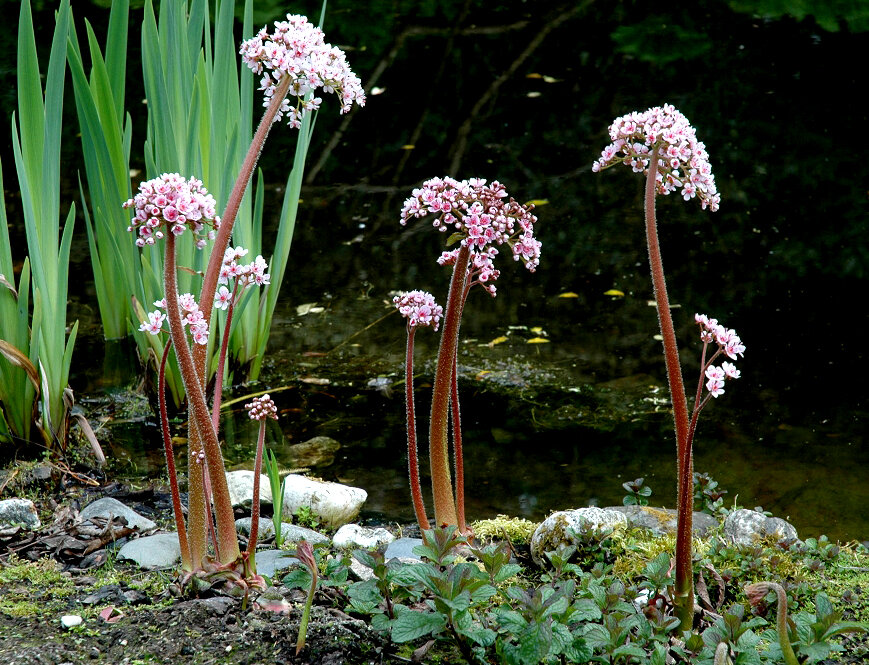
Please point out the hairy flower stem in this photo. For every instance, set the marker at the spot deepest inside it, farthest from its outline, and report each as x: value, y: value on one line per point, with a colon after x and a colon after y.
x: 201, y: 424
x: 456, y: 418
x: 684, y: 597
x: 442, y: 488
x: 186, y: 561
x: 412, y: 461
x: 759, y: 590
x: 197, y: 442
x: 254, y: 510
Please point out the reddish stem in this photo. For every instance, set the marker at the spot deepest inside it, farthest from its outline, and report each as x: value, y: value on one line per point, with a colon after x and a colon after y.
x: 684, y: 599
x: 254, y: 510
x: 412, y: 463
x: 180, y: 527
x: 456, y: 417
x: 442, y: 488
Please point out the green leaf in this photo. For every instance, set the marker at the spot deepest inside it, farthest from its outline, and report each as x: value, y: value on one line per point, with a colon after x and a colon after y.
x: 410, y: 625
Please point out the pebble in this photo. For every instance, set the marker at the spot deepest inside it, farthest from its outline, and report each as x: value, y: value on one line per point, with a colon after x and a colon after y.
x: 70, y: 620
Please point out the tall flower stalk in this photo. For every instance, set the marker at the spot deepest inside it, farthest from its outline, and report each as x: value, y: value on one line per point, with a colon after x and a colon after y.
x: 661, y: 143
x: 479, y: 219
x: 293, y: 60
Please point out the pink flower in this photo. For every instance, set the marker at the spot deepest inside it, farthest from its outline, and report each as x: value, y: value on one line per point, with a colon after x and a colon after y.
x: 419, y: 308
x: 478, y: 213
x: 297, y: 49
x: 635, y: 135
x: 222, y: 298
x: 261, y: 408
x: 154, y: 324
x: 171, y: 201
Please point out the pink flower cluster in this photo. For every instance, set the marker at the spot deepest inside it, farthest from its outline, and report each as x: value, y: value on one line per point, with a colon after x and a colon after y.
x: 171, y: 201
x: 261, y: 408
x: 682, y: 160
x: 419, y: 308
x: 253, y: 273
x: 480, y: 215
x: 191, y: 317
x: 728, y: 343
x: 297, y: 49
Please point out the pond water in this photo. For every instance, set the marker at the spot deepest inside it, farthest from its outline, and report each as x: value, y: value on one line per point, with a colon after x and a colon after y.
x: 526, y: 97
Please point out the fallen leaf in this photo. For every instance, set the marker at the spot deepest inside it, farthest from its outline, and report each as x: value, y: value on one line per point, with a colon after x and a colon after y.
x: 538, y: 340
x: 498, y: 340
x: 615, y: 293
x: 537, y: 330
x: 538, y: 202
x: 568, y: 294
x: 309, y: 308
x: 315, y: 380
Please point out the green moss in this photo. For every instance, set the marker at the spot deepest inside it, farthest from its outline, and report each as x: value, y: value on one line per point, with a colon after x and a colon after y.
x: 515, y: 529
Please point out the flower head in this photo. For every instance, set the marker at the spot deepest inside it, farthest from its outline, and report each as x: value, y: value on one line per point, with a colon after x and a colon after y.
x: 482, y: 219
x: 419, y: 308
x: 261, y: 408
x: 170, y: 201
x: 683, y: 163
x: 728, y: 342
x: 191, y: 317
x: 297, y: 49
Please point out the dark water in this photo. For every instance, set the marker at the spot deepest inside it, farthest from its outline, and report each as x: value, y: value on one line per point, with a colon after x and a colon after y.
x: 528, y: 100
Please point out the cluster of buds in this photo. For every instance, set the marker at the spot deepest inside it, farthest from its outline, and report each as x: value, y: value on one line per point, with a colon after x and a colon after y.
x: 244, y: 275
x: 261, y: 408
x: 682, y: 160
x: 191, y: 317
x: 172, y: 202
x: 481, y: 217
x: 729, y: 343
x: 297, y: 49
x: 419, y: 308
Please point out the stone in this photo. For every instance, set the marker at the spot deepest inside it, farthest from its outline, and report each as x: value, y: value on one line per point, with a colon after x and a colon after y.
x: 663, y: 520
x: 70, y: 620
x: 554, y: 530
x: 291, y: 532
x: 108, y: 507
x: 19, y: 511
x: 402, y: 548
x: 269, y: 562
x: 319, y: 451
x: 353, y: 535
x: 151, y: 552
x: 240, y: 485
x: 333, y: 504
x: 746, y: 527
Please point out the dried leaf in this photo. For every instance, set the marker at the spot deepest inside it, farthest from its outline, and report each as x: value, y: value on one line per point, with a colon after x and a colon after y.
x: 498, y: 340
x: 17, y: 358
x: 615, y: 293
x: 538, y: 340
x: 568, y: 294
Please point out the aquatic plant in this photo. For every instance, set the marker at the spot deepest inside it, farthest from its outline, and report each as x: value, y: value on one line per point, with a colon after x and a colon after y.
x: 293, y: 60
x: 479, y: 219
x: 661, y: 143
x: 35, y: 344
x: 259, y: 409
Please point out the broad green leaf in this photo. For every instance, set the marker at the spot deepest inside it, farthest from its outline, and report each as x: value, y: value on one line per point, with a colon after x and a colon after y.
x: 411, y: 625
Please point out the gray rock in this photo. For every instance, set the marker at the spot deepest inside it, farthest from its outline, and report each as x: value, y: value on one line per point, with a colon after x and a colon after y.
x: 746, y: 527
x: 663, y: 520
x: 240, y: 485
x: 19, y: 511
x: 108, y: 507
x: 333, y: 503
x: 151, y: 552
x: 269, y: 562
x: 360, y: 571
x: 567, y: 527
x: 353, y: 535
x: 319, y: 451
x: 291, y: 533
x: 402, y: 548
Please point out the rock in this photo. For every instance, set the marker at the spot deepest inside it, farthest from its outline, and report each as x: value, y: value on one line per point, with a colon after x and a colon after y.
x: 108, y: 507
x: 663, y: 520
x: 19, y: 511
x: 334, y: 504
x: 402, y: 548
x: 353, y: 535
x: 151, y: 552
x: 269, y: 562
x: 240, y: 484
x: 553, y: 531
x: 746, y: 527
x: 291, y: 533
x: 70, y: 620
x: 319, y: 451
